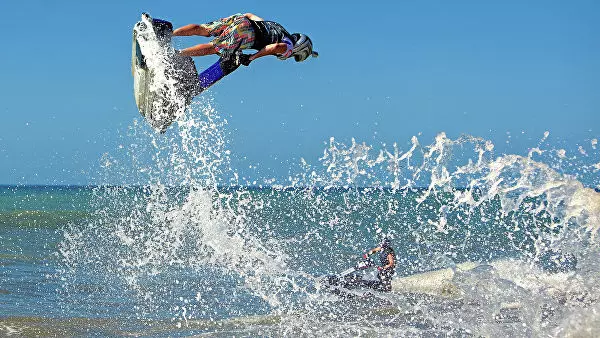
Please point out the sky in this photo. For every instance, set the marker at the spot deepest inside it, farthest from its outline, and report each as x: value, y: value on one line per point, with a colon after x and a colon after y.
x: 386, y: 72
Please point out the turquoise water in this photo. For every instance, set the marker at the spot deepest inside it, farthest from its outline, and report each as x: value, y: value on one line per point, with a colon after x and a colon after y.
x: 110, y: 261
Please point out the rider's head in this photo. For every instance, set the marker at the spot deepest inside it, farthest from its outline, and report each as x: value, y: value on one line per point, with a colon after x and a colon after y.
x: 385, y: 242
x: 302, y: 47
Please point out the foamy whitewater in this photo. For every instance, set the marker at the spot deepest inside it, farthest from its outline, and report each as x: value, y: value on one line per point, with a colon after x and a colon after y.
x: 487, y: 244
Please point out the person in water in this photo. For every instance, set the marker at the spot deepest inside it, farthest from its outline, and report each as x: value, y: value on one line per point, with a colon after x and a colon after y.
x: 387, y: 265
x: 247, y: 31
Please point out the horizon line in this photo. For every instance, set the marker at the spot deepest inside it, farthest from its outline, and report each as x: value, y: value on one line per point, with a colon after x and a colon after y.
x: 237, y: 186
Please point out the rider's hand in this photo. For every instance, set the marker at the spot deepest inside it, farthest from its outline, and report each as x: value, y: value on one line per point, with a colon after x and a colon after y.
x: 365, y: 256
x: 379, y: 268
x: 245, y: 59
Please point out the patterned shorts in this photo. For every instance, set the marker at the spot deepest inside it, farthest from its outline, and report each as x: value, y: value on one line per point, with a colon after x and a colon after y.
x: 231, y: 33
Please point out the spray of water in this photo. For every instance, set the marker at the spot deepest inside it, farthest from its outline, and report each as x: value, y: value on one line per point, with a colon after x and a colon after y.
x: 531, y: 229
x: 178, y: 221
x: 509, y: 241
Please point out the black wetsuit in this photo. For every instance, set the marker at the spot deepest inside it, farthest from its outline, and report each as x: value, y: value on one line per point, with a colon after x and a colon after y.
x: 268, y: 32
x: 385, y: 275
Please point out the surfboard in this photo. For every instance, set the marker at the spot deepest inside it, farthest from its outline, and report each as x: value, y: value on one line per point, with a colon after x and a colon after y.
x: 164, y: 81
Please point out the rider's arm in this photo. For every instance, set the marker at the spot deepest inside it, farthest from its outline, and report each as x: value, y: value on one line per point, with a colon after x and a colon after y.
x: 191, y: 29
x: 253, y: 17
x: 372, y: 251
x: 272, y: 49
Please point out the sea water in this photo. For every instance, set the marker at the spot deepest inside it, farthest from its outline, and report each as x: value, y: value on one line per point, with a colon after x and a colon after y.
x: 487, y: 244
x: 195, y: 256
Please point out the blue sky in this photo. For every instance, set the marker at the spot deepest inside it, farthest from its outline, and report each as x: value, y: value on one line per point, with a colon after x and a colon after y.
x: 386, y: 72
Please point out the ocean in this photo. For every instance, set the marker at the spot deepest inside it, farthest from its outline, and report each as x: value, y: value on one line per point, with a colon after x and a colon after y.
x: 502, y: 255
x: 172, y: 240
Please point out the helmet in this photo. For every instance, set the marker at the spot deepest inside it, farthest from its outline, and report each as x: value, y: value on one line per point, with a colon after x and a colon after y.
x: 302, y: 47
x: 385, y: 242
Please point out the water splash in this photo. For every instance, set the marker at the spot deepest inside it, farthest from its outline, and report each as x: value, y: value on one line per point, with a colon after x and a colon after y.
x: 510, y: 239
x: 467, y: 205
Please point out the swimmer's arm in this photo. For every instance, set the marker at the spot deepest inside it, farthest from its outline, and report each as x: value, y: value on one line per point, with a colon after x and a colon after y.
x: 253, y: 17
x: 272, y: 49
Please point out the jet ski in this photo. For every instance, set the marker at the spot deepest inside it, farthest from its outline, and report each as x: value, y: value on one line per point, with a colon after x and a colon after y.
x: 355, y: 281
